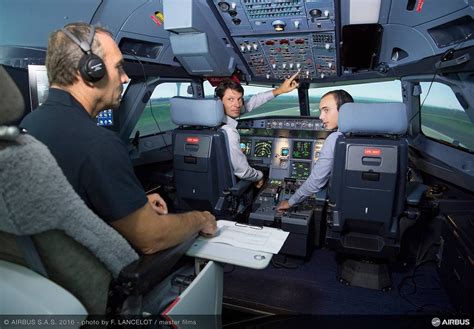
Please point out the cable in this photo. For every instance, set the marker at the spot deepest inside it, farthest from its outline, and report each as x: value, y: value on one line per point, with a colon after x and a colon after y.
x: 425, y: 308
x: 446, y: 56
x: 160, y: 132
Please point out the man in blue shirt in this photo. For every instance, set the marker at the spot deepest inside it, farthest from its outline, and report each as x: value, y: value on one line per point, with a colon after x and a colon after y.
x: 329, y: 114
x: 94, y: 160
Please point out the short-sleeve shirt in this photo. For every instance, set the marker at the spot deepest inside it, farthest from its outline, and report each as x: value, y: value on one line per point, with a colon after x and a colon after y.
x: 94, y: 160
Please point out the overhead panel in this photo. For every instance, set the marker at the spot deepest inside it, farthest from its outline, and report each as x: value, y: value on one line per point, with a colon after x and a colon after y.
x: 278, y: 38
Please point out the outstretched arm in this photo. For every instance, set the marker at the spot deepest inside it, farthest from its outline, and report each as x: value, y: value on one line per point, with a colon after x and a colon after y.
x: 288, y: 85
x: 259, y: 99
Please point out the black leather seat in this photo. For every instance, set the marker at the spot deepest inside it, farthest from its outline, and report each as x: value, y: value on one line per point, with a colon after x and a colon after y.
x: 203, y: 174
x: 367, y: 191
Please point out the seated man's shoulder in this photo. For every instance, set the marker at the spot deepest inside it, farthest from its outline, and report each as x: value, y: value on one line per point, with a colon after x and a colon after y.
x: 106, y: 142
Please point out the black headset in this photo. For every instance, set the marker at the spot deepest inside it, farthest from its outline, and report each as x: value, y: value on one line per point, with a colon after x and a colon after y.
x: 91, y: 66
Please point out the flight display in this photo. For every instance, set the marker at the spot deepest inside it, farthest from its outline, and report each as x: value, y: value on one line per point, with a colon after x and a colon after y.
x: 302, y: 150
x: 105, y: 118
x: 246, y: 146
x: 300, y: 170
x: 263, y: 148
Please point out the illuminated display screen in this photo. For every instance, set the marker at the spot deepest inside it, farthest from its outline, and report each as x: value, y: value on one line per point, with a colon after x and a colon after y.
x: 105, y: 118
x: 284, y: 151
x: 263, y: 149
x: 246, y: 146
x: 302, y: 150
x: 300, y: 170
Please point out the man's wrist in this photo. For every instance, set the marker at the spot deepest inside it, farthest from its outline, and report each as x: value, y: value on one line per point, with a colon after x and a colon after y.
x: 291, y: 202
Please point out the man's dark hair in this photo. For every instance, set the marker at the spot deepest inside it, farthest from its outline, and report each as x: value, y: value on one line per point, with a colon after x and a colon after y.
x: 340, y: 96
x: 228, y: 84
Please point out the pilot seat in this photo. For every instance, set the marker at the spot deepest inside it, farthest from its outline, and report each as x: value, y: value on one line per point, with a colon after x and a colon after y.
x: 367, y: 191
x: 203, y: 173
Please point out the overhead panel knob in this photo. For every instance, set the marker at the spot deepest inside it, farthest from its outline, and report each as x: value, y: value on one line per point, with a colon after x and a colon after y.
x: 278, y: 25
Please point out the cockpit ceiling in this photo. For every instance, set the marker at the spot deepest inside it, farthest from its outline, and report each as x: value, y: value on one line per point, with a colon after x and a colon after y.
x: 331, y: 39
x: 263, y: 41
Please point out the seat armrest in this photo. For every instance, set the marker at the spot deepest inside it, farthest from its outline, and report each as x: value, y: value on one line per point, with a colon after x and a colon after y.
x: 145, y: 273
x: 239, y: 188
x: 414, y: 192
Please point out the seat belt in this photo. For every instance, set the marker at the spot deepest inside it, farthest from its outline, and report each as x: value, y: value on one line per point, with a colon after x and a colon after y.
x: 30, y: 254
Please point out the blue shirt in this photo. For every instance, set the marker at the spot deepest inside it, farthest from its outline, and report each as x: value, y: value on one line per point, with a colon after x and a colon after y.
x: 94, y: 160
x: 320, y: 173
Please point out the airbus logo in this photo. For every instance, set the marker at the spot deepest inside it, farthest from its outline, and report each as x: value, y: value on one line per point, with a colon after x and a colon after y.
x: 436, y: 322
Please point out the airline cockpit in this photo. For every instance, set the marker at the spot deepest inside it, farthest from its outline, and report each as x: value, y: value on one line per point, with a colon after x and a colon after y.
x: 388, y: 232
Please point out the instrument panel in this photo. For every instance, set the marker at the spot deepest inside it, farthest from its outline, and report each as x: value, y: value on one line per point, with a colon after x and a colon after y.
x: 287, y: 146
x: 277, y: 38
x: 285, y: 157
x: 311, y: 124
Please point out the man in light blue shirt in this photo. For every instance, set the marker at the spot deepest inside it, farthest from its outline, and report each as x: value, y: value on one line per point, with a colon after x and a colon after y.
x: 231, y: 94
x: 329, y: 107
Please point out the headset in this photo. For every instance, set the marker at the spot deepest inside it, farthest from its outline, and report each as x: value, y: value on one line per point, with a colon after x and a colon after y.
x: 91, y: 66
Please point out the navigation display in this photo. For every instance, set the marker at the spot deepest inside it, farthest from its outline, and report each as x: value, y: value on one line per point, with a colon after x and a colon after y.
x: 246, y: 146
x: 300, y: 170
x: 263, y: 149
x: 302, y: 150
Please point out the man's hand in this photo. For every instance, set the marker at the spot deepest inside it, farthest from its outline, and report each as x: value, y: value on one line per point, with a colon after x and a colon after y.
x: 259, y: 184
x: 288, y: 85
x: 210, y: 226
x: 157, y: 203
x: 283, y: 206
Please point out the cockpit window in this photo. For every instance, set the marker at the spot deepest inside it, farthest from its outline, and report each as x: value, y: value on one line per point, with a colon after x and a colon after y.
x: 288, y: 105
x: 374, y: 92
x: 443, y: 118
x: 156, y: 117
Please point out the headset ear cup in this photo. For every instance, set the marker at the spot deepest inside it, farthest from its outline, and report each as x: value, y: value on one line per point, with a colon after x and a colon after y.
x: 92, y: 68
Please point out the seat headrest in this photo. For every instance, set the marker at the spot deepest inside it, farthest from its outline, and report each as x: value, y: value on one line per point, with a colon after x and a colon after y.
x: 373, y: 118
x: 11, y: 100
x: 196, y: 112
